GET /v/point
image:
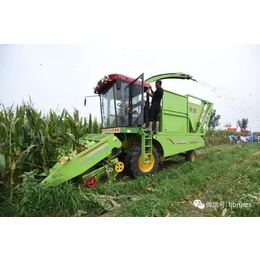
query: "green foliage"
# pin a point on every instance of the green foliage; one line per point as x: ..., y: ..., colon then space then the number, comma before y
x: 95, y: 126
x: 38, y: 200
x: 31, y: 141
x: 243, y: 123
x: 90, y: 124
x: 2, y: 165
x: 214, y: 120
x: 218, y: 137
x: 221, y: 173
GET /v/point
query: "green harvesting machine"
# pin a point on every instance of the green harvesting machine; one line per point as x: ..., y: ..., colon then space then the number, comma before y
x: 125, y: 142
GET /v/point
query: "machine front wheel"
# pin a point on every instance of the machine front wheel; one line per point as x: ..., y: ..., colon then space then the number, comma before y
x: 134, y: 162
x: 190, y: 156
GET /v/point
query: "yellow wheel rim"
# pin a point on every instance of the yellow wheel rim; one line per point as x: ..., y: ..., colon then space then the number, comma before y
x: 119, y: 167
x: 193, y: 157
x: 145, y: 167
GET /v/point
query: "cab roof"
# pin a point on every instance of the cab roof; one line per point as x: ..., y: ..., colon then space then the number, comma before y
x: 107, y: 80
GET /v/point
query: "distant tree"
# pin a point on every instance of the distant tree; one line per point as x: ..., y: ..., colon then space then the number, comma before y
x: 214, y: 120
x: 85, y: 124
x: 226, y: 125
x: 243, y: 123
x: 95, y: 126
x: 100, y: 127
x: 90, y: 124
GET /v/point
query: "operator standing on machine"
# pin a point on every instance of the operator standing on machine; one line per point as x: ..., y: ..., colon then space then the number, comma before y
x: 155, y: 108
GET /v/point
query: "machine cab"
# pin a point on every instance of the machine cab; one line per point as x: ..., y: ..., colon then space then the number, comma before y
x: 123, y: 101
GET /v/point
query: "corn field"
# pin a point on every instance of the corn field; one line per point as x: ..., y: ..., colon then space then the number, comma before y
x: 218, y: 137
x: 32, y: 141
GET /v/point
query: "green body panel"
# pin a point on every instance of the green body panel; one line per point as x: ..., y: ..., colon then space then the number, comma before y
x: 194, y: 115
x: 174, y: 113
x: 174, y: 143
x: 179, y: 115
x: 83, y: 161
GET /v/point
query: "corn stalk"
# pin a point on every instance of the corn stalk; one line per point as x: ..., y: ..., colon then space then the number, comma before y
x: 31, y: 141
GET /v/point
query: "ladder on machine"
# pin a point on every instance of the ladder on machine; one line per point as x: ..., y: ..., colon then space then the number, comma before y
x: 146, y: 145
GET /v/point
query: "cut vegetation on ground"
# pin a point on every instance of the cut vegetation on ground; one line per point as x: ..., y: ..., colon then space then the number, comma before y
x: 221, y: 174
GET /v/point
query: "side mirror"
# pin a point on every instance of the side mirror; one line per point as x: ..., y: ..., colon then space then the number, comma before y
x: 118, y: 83
x: 85, y: 98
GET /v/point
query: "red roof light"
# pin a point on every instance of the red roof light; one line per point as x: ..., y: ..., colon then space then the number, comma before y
x: 104, y: 82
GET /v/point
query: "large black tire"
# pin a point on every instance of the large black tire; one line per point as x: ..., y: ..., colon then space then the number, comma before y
x: 136, y: 167
x: 190, y: 156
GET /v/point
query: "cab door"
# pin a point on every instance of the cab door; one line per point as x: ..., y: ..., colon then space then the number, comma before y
x: 136, y: 98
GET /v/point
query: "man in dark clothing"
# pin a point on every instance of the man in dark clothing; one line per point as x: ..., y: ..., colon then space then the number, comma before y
x: 155, y: 108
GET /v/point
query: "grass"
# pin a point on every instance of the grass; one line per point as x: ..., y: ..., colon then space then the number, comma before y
x: 34, y: 200
x: 220, y: 174
x: 226, y: 173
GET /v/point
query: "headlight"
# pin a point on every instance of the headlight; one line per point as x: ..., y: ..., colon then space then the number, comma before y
x: 105, y: 79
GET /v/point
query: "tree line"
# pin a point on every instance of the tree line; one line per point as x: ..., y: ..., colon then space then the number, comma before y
x: 215, y: 118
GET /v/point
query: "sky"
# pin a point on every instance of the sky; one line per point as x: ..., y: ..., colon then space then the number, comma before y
x: 59, y: 76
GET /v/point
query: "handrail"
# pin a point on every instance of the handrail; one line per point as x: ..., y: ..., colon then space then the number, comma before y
x: 206, y: 117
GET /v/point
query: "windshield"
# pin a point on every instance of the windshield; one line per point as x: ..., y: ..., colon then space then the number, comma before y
x: 115, y: 107
x: 108, y: 107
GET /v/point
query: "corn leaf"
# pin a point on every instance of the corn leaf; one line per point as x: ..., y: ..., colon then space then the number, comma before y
x: 5, y: 128
x: 2, y: 165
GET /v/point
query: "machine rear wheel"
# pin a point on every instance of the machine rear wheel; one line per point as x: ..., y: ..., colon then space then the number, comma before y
x: 190, y: 156
x: 134, y: 162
